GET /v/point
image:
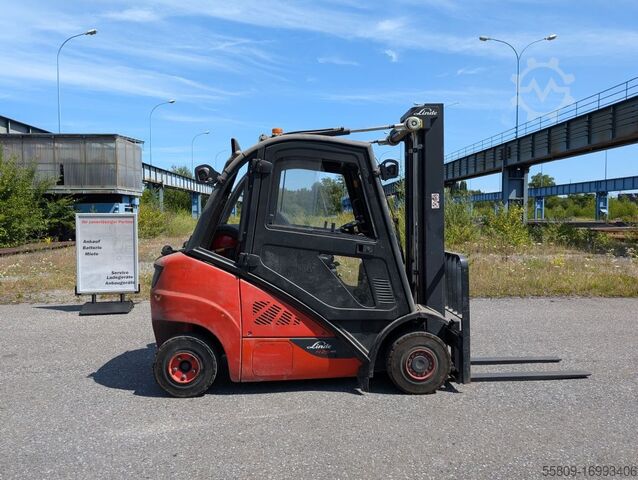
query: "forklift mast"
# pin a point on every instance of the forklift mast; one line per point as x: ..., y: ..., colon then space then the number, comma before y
x: 424, y: 226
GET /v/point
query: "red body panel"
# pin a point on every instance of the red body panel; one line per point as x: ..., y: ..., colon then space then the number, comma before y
x: 195, y: 292
x: 267, y: 325
x: 253, y: 327
x: 266, y: 316
x: 280, y: 359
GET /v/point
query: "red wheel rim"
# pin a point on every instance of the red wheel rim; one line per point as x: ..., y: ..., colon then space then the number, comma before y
x: 183, y: 367
x: 420, y: 364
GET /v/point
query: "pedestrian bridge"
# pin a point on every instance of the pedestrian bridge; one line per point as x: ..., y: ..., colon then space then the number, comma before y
x: 601, y: 121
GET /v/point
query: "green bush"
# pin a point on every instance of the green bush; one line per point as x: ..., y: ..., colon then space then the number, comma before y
x: 20, y: 217
x: 176, y: 200
x: 460, y: 226
x: 59, y: 217
x: 180, y: 224
x: 623, y: 209
x: 505, y: 227
x: 151, y: 222
x: 570, y: 236
x: 149, y: 197
x: 26, y: 213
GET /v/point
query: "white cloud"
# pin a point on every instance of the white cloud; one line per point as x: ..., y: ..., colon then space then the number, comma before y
x: 397, y: 31
x: 140, y: 15
x: 180, y: 118
x: 469, y: 98
x: 394, y: 56
x: 379, y: 27
x: 336, y: 60
x: 203, y: 119
x: 110, y: 77
x: 391, y: 25
x: 470, y: 71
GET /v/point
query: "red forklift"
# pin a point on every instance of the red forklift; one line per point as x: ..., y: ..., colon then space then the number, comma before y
x: 279, y: 282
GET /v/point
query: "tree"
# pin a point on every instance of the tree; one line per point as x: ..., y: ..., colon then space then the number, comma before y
x: 178, y: 200
x: 539, y: 180
x: 184, y: 171
x: 334, y: 191
x: 459, y: 189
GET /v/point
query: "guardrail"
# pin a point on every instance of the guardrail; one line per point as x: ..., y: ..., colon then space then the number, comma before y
x: 599, y: 100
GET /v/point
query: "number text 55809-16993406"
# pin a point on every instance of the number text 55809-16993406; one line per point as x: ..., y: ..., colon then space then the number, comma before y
x: 590, y: 470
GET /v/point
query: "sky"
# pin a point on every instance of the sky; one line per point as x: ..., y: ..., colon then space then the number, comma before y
x: 239, y: 68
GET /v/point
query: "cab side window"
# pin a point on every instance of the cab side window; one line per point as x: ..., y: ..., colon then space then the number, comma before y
x: 320, y: 195
x: 227, y: 237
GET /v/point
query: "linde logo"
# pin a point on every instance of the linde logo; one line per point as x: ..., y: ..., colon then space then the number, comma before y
x: 320, y: 345
x: 427, y: 111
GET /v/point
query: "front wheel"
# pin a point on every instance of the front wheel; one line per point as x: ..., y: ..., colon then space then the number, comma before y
x: 418, y: 363
x: 185, y: 366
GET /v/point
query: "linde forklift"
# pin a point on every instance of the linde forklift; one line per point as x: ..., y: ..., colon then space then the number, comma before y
x: 276, y: 284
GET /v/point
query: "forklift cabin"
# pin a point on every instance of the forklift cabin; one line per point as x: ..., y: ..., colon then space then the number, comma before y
x: 280, y: 282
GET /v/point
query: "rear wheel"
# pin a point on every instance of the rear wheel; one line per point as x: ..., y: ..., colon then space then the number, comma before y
x: 185, y: 366
x: 418, y: 363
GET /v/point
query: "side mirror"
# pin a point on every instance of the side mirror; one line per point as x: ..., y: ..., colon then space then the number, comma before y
x: 389, y: 169
x: 206, y: 174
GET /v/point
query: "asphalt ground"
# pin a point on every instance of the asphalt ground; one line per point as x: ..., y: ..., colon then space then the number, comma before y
x: 78, y: 400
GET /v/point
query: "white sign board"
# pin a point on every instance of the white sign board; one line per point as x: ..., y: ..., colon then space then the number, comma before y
x: 106, y: 253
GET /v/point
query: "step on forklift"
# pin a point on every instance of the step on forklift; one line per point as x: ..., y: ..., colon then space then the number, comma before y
x: 280, y: 282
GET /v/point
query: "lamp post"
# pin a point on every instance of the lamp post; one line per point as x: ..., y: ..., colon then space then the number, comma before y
x: 549, y: 38
x: 93, y: 31
x: 150, y: 128
x: 193, y: 149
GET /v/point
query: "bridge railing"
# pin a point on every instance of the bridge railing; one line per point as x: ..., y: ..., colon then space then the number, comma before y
x: 604, y: 98
x: 159, y: 176
x: 620, y: 184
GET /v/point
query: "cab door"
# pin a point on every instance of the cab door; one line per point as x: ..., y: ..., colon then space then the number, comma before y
x: 321, y: 235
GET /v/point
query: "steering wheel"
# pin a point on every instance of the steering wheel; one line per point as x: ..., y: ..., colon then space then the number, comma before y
x: 350, y: 227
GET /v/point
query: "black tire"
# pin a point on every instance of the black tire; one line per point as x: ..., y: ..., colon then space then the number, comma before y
x: 418, y: 363
x: 185, y: 366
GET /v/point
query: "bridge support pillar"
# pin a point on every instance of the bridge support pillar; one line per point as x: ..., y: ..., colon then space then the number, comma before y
x: 602, y: 206
x: 514, y: 187
x: 160, y: 197
x: 196, y: 204
x: 539, y: 208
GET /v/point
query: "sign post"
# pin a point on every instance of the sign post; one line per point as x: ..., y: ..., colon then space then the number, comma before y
x: 106, y: 260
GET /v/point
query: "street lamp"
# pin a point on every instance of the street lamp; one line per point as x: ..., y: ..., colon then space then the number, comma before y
x: 193, y: 147
x: 93, y: 31
x: 150, y: 128
x: 551, y: 37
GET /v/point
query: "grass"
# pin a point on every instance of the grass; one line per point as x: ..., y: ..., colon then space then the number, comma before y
x: 154, y: 223
x: 546, y: 270
x: 531, y: 270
